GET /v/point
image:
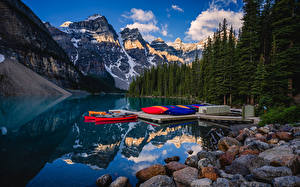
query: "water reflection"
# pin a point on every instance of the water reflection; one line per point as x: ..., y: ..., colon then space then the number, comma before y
x: 54, y: 144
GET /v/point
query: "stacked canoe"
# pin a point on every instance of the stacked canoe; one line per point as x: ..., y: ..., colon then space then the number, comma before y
x: 172, y: 109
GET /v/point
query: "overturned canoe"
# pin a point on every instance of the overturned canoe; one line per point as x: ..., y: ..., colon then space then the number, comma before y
x: 172, y: 109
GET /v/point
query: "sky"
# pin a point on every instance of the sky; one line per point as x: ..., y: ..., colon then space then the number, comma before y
x: 190, y: 20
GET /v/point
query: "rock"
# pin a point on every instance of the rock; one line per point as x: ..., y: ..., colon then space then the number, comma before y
x: 120, y: 182
x: 226, y: 142
x: 226, y: 159
x: 237, y: 180
x: 261, y: 137
x: 190, y: 152
x: 286, y: 136
x: 159, y: 180
x: 295, y: 144
x: 217, y: 153
x: 249, y: 177
x: 192, y: 161
x: 185, y: 176
x: 173, y: 158
x: 291, y: 161
x: 255, y: 184
x: 287, y: 181
x: 241, y: 137
x: 297, y: 134
x: 235, y: 168
x: 201, y: 183
x: 174, y: 166
x: 250, y: 152
x: 222, y: 182
x: 281, y: 142
x: 205, y: 154
x: 225, y: 175
x: 268, y: 173
x: 104, y: 180
x: 209, y: 158
x: 273, y: 141
x: 150, y: 172
x: 209, y: 172
x: 257, y: 144
x: 205, y: 162
x: 282, y: 156
x: 253, y: 128
x: 245, y: 164
x: 295, y: 130
x: 285, y: 128
x: 271, y: 135
x: 264, y: 130
x: 234, y: 150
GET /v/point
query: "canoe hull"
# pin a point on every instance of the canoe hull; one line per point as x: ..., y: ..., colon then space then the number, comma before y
x: 108, y: 119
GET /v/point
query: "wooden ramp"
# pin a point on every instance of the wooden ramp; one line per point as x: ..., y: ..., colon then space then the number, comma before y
x: 169, y: 118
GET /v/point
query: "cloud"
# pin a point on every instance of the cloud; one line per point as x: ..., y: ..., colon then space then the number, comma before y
x: 140, y: 15
x: 149, y: 37
x: 208, y: 21
x: 145, y: 22
x: 176, y: 7
x: 143, y: 27
x: 221, y: 3
x: 164, y: 30
x: 144, y: 158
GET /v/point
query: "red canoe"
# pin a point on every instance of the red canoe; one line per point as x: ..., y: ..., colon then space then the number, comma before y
x: 117, y: 118
x: 112, y: 122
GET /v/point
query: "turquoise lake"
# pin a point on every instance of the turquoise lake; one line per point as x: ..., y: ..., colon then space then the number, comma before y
x: 45, y: 141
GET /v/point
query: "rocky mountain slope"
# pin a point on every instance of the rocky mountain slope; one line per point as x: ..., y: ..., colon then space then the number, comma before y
x: 96, y: 49
x: 16, y: 79
x: 24, y: 38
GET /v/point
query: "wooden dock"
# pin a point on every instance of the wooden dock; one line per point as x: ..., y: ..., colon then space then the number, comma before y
x: 170, y: 118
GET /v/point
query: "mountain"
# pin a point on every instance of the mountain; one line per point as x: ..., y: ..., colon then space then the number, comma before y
x: 187, y: 51
x: 25, y: 39
x: 96, y: 49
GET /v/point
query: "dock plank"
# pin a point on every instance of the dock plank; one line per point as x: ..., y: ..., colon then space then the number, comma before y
x: 168, y: 118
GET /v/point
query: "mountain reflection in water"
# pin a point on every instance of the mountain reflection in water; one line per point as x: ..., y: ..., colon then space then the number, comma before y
x: 48, y: 144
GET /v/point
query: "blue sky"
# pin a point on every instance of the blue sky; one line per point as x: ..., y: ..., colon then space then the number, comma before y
x: 191, y: 20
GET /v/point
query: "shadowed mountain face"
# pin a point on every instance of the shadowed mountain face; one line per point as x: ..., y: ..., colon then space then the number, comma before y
x: 24, y: 38
x: 50, y: 142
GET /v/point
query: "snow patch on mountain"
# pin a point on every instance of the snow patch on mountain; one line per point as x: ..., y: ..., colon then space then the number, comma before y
x: 93, y: 17
x: 75, y: 42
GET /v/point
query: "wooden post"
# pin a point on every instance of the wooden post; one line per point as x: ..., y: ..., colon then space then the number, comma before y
x: 290, y: 87
x: 252, y: 100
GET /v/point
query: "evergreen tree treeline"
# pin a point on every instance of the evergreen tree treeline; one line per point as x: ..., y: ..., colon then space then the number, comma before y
x: 260, y: 66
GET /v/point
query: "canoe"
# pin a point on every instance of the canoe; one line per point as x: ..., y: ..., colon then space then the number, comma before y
x: 117, y: 118
x: 172, y: 109
x: 110, y: 118
x: 113, y: 122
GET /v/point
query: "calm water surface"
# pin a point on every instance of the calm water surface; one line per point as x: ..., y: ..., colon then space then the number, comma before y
x: 45, y: 142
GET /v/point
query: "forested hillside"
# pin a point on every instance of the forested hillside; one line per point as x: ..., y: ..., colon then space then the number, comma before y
x: 260, y: 64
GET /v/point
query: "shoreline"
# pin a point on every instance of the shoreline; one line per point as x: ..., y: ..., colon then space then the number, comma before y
x: 252, y: 156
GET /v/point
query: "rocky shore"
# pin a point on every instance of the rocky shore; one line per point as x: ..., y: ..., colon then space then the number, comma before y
x: 254, y: 157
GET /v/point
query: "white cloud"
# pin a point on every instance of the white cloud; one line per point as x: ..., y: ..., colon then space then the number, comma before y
x: 164, y: 30
x: 143, y: 158
x: 208, y: 21
x: 221, y: 3
x: 143, y: 27
x: 149, y: 37
x: 140, y: 15
x: 176, y: 7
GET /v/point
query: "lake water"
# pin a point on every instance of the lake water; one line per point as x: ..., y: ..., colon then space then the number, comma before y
x: 45, y: 141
